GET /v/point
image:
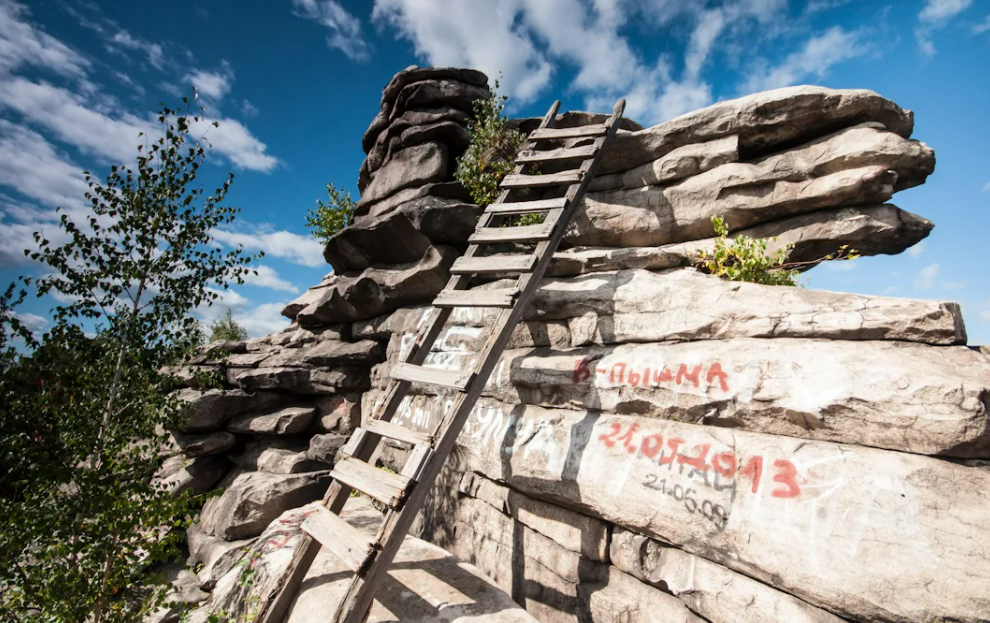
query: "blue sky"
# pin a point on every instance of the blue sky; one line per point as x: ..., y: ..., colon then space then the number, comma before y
x: 294, y: 85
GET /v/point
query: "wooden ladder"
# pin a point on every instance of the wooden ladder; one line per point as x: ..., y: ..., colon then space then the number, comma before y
x: 404, y: 493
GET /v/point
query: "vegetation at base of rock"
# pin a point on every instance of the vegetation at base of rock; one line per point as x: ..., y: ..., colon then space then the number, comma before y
x: 332, y: 215
x: 82, y: 414
x: 746, y: 259
x: 226, y: 329
x: 491, y: 154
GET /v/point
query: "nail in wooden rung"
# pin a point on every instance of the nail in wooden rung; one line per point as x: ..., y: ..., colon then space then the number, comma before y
x: 345, y: 541
x: 396, y: 432
x: 522, y: 233
x: 431, y: 376
x: 502, y: 297
x: 386, y: 487
x: 526, y: 207
x: 550, y: 155
x: 580, y: 131
x: 491, y: 264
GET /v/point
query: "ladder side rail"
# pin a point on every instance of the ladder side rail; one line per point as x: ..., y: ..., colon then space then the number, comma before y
x: 354, y: 607
x: 274, y: 609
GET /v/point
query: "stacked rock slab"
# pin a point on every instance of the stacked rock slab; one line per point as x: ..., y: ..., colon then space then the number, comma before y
x: 658, y: 444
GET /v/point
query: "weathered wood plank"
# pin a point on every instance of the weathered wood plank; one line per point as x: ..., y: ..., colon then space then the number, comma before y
x: 522, y: 233
x: 578, y: 132
x: 526, y: 207
x: 344, y: 540
x: 453, y: 379
x: 503, y: 297
x: 396, y: 432
x: 386, y: 487
x: 493, y: 264
x: 536, y: 181
x: 551, y: 155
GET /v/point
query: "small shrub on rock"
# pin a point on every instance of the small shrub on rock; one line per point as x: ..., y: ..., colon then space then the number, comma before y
x: 491, y: 154
x: 332, y: 215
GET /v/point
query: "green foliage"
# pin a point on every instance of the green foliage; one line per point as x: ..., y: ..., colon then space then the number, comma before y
x: 746, y: 259
x: 226, y: 329
x: 332, y: 215
x: 81, y: 411
x: 491, y: 154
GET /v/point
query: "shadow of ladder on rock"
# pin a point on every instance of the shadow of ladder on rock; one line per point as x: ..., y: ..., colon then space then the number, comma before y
x: 405, y: 492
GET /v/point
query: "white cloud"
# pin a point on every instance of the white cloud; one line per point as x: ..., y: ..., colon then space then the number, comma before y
x: 982, y: 27
x: 917, y: 249
x: 34, y: 322
x: 267, y: 277
x: 34, y: 168
x: 212, y: 85
x: 125, y: 40
x: 21, y: 44
x: 815, y: 59
x: 986, y: 187
x: 257, y: 321
x: 283, y: 244
x: 72, y: 119
x: 345, y: 29
x: 927, y: 277
x: 935, y: 15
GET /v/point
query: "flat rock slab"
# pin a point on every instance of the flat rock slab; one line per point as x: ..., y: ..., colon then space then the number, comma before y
x: 867, y: 534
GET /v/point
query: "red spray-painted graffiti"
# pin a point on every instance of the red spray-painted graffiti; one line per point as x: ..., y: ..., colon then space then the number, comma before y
x: 725, y: 464
x: 623, y: 373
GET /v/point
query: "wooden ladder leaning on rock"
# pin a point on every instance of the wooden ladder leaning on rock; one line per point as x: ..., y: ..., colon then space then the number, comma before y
x: 404, y: 493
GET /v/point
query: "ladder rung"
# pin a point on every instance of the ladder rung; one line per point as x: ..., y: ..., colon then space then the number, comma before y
x: 522, y: 233
x: 503, y: 297
x: 341, y: 538
x: 493, y: 264
x: 551, y: 133
x: 525, y: 207
x: 534, y: 181
x: 571, y: 153
x: 386, y: 487
x: 394, y: 431
x: 453, y: 379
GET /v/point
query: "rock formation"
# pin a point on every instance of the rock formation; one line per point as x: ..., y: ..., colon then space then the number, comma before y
x: 656, y: 444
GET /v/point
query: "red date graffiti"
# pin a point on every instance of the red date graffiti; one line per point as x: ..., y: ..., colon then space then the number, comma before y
x: 701, y: 459
x: 623, y: 373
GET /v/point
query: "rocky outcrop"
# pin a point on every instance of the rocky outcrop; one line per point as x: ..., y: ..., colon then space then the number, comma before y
x: 656, y: 444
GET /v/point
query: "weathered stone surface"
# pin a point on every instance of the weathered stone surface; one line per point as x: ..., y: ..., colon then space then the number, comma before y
x: 197, y: 475
x: 583, y: 260
x: 433, y: 93
x: 452, y: 134
x: 624, y: 599
x: 765, y: 122
x: 826, y: 522
x: 442, y: 220
x: 253, y: 499
x: 424, y: 584
x: 578, y: 533
x: 379, y: 123
x: 387, y: 240
x: 678, y: 164
x: 442, y: 190
x: 204, y: 444
x: 414, y: 166
x: 413, y: 74
x: 328, y: 353
x: 288, y: 421
x: 300, y: 380
x: 310, y: 296
x: 324, y: 448
x: 277, y: 458
x: 376, y: 291
x: 395, y: 136
x: 209, y: 410
x: 709, y: 589
x: 857, y: 166
x: 896, y: 395
x: 246, y: 360
x: 338, y: 413
x: 684, y: 304
x: 216, y: 555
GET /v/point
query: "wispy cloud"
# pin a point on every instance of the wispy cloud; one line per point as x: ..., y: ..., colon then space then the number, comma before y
x: 982, y: 27
x: 212, y: 85
x: 22, y: 44
x: 818, y: 55
x: 123, y: 40
x: 345, y: 29
x: 986, y: 187
x: 295, y: 248
x: 927, y: 278
x: 934, y: 16
x: 267, y: 277
x: 917, y: 249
